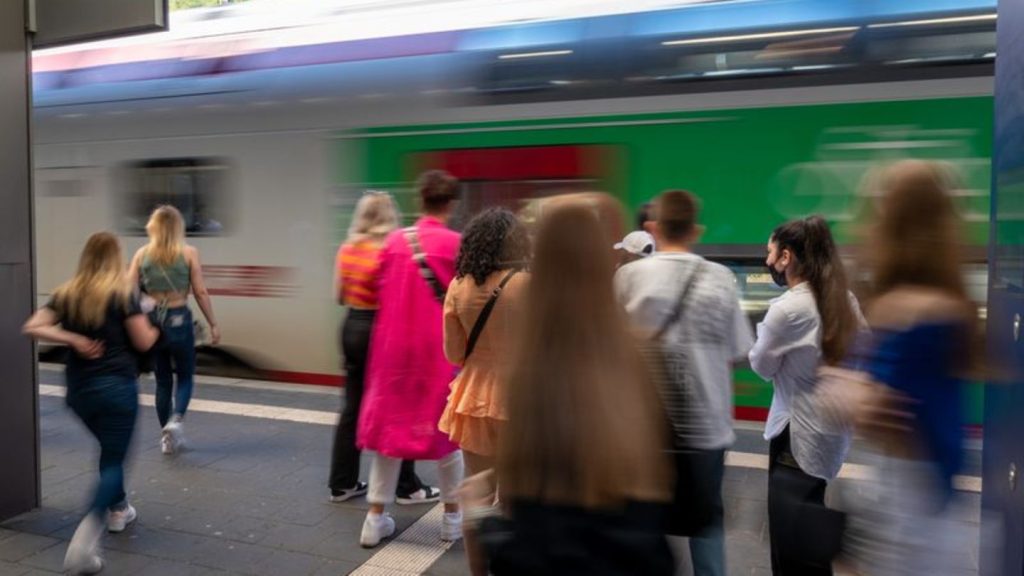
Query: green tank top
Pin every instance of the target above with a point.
(173, 278)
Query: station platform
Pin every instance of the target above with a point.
(248, 496)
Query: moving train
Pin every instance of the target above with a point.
(266, 151)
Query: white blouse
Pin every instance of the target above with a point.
(788, 353)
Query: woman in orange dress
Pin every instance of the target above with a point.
(494, 250)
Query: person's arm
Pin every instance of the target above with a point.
(339, 280)
(133, 269)
(201, 294)
(141, 332)
(43, 325)
(455, 337)
(774, 340)
(742, 338)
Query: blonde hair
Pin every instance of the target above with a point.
(100, 278)
(374, 218)
(585, 424)
(166, 230)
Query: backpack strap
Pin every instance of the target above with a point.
(677, 312)
(421, 260)
(485, 313)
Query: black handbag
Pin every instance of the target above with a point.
(696, 490)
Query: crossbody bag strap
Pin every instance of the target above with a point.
(485, 313)
(421, 260)
(677, 311)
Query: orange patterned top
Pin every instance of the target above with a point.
(356, 269)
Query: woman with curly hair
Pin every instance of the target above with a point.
(481, 305)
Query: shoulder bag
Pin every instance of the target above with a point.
(696, 491)
(485, 313)
(421, 260)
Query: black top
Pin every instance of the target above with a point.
(567, 540)
(119, 357)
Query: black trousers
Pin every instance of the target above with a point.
(355, 346)
(789, 488)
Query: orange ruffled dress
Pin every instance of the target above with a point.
(476, 405)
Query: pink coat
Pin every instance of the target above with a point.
(408, 376)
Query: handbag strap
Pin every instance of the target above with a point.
(677, 311)
(481, 320)
(421, 260)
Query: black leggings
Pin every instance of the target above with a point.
(783, 494)
(355, 345)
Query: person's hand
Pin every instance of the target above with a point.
(884, 416)
(214, 335)
(87, 347)
(147, 303)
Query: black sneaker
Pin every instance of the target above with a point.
(342, 495)
(424, 495)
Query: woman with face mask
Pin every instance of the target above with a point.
(811, 325)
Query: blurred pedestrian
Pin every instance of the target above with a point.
(169, 269)
(906, 519)
(645, 217)
(694, 305)
(408, 374)
(356, 287)
(98, 316)
(482, 304)
(581, 466)
(812, 324)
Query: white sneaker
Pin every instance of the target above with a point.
(425, 495)
(451, 526)
(166, 444)
(83, 555)
(175, 431)
(376, 527)
(118, 520)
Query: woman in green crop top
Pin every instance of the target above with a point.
(169, 269)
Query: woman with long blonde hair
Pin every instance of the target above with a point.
(170, 269)
(98, 317)
(355, 287)
(581, 463)
(920, 353)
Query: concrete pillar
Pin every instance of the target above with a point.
(19, 414)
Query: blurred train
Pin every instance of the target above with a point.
(767, 109)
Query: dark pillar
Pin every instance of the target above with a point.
(1002, 534)
(19, 429)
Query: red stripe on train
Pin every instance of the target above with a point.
(752, 413)
(306, 378)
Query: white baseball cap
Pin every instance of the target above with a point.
(639, 242)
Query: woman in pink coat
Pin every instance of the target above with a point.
(408, 375)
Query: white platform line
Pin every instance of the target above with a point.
(303, 416)
(299, 415)
(414, 551)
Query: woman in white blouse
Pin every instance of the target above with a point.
(812, 324)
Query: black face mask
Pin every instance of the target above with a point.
(778, 277)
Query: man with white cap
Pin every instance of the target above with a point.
(634, 246)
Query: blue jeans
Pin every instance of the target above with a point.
(707, 550)
(175, 356)
(107, 405)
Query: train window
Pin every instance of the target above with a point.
(198, 187)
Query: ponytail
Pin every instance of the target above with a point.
(818, 262)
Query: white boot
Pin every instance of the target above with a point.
(83, 555)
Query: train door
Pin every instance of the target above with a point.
(512, 176)
(1002, 540)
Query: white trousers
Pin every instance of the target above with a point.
(384, 478)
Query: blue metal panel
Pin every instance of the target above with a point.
(1003, 496)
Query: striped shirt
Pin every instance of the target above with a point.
(357, 266)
